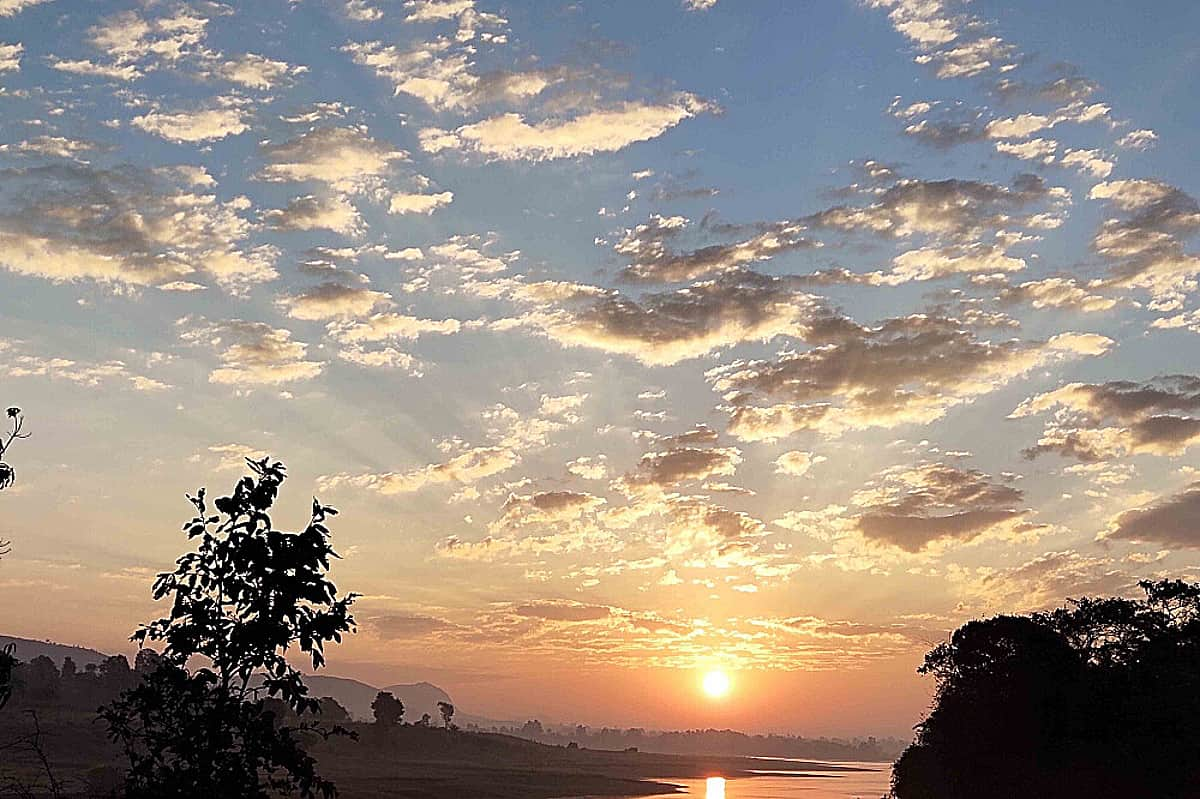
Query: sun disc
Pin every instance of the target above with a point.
(716, 684)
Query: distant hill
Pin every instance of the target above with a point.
(353, 695)
(418, 698)
(28, 649)
(356, 697)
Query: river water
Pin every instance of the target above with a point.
(811, 783)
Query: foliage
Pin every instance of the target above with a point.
(240, 601)
(447, 711)
(8, 475)
(387, 709)
(185, 737)
(1098, 698)
(8, 664)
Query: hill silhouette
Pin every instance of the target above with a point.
(356, 696)
(28, 649)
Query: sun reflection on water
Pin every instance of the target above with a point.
(714, 788)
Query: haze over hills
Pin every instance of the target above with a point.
(356, 696)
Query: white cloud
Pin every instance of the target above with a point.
(205, 124)
(10, 56)
(510, 137)
(402, 203)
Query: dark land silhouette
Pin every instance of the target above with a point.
(1100, 698)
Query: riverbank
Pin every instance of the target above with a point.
(421, 763)
(402, 762)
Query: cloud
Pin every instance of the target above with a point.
(1033, 150)
(440, 73)
(390, 326)
(310, 212)
(510, 137)
(257, 72)
(346, 159)
(10, 56)
(402, 203)
(469, 467)
(383, 358)
(668, 327)
(955, 210)
(17, 361)
(436, 10)
(932, 263)
(907, 370)
(405, 627)
(207, 124)
(135, 43)
(912, 507)
(1041, 582)
(72, 221)
(251, 353)
(1157, 417)
(83, 66)
(333, 301)
(564, 611)
(51, 146)
(1056, 292)
(10, 7)
(796, 463)
(1169, 521)
(589, 468)
(1138, 140)
(1090, 162)
(546, 507)
(1144, 241)
(683, 464)
(654, 261)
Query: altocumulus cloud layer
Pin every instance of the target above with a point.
(615, 326)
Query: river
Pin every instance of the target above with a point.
(810, 783)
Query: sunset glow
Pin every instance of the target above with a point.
(716, 684)
(674, 363)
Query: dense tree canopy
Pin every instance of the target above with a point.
(1099, 698)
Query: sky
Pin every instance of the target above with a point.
(633, 340)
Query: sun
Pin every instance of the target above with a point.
(716, 684)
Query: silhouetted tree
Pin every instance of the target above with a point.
(424, 720)
(146, 661)
(333, 711)
(8, 665)
(39, 680)
(387, 709)
(1099, 698)
(246, 595)
(447, 711)
(8, 475)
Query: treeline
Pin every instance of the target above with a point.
(39, 684)
(1100, 698)
(709, 742)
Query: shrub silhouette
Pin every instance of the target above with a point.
(387, 709)
(1099, 698)
(239, 601)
